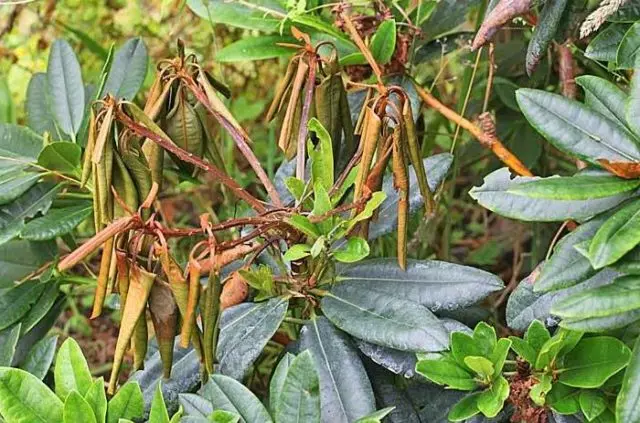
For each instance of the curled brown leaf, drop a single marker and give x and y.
(504, 11)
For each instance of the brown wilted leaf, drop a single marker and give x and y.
(626, 170)
(500, 15)
(234, 291)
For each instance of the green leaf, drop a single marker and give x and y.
(374, 202)
(376, 417)
(580, 187)
(297, 252)
(127, 403)
(356, 249)
(623, 295)
(71, 370)
(575, 129)
(563, 399)
(16, 302)
(499, 354)
(485, 337)
(19, 148)
(523, 349)
(296, 187)
(446, 372)
(592, 403)
(383, 42)
(345, 390)
(158, 413)
(299, 398)
(97, 400)
(491, 401)
(304, 225)
(77, 410)
(462, 345)
(277, 381)
(39, 359)
(483, 367)
(549, 21)
(385, 320)
(245, 329)
(628, 402)
(56, 222)
(604, 97)
(265, 15)
(128, 70)
(230, 395)
(496, 194)
(66, 88)
(540, 390)
(7, 108)
(222, 416)
(256, 48)
(46, 302)
(604, 46)
(464, 409)
(321, 203)
(38, 107)
(436, 285)
(352, 59)
(566, 266)
(537, 335)
(63, 157)
(628, 48)
(321, 156)
(593, 361)
(549, 351)
(37, 199)
(24, 398)
(8, 341)
(616, 237)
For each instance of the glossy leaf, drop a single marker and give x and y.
(8, 341)
(299, 398)
(563, 399)
(628, 402)
(378, 317)
(604, 46)
(46, 301)
(66, 88)
(592, 404)
(593, 361)
(40, 357)
(628, 48)
(77, 409)
(604, 97)
(127, 403)
(230, 395)
(383, 42)
(435, 284)
(578, 187)
(447, 372)
(356, 249)
(128, 70)
(16, 302)
(575, 129)
(24, 398)
(71, 370)
(56, 222)
(244, 331)
(345, 390)
(496, 194)
(255, 48)
(616, 237)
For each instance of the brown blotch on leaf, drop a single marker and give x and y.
(626, 170)
(500, 15)
(234, 291)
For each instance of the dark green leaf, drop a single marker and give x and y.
(548, 23)
(628, 48)
(66, 88)
(277, 381)
(592, 403)
(593, 361)
(71, 370)
(16, 302)
(63, 157)
(256, 48)
(38, 107)
(24, 398)
(464, 409)
(299, 398)
(383, 42)
(8, 341)
(563, 399)
(128, 70)
(575, 129)
(578, 187)
(20, 258)
(45, 303)
(604, 97)
(265, 15)
(230, 395)
(628, 403)
(40, 357)
(345, 389)
(604, 46)
(77, 409)
(435, 284)
(497, 194)
(616, 237)
(244, 331)
(56, 223)
(127, 403)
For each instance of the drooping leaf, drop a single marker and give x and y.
(345, 390)
(66, 88)
(434, 284)
(575, 129)
(56, 222)
(593, 361)
(24, 398)
(244, 331)
(378, 317)
(19, 148)
(496, 195)
(46, 301)
(71, 370)
(299, 398)
(40, 357)
(128, 70)
(255, 48)
(230, 395)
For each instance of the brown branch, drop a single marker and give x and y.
(491, 142)
(190, 158)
